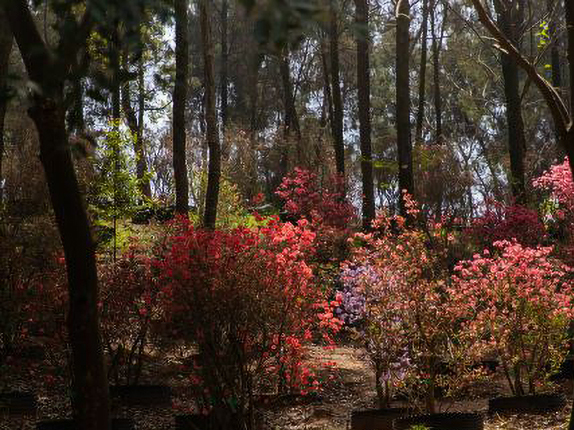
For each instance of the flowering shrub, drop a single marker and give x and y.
(516, 304)
(558, 182)
(407, 321)
(329, 214)
(502, 222)
(128, 305)
(245, 298)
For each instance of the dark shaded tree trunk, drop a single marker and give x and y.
(76, 121)
(179, 101)
(224, 65)
(90, 400)
(214, 167)
(510, 21)
(135, 123)
(364, 99)
(291, 120)
(337, 118)
(5, 49)
(403, 102)
(422, 75)
(436, 49)
(554, 49)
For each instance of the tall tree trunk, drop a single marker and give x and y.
(114, 54)
(436, 48)
(422, 75)
(136, 121)
(5, 49)
(214, 167)
(291, 120)
(555, 48)
(76, 121)
(403, 101)
(90, 398)
(224, 65)
(337, 119)
(510, 21)
(364, 98)
(179, 100)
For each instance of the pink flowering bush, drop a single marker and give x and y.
(557, 181)
(516, 304)
(246, 300)
(408, 323)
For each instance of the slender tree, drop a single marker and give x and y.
(214, 167)
(403, 101)
(49, 68)
(136, 120)
(290, 119)
(422, 74)
(179, 100)
(5, 49)
(436, 50)
(510, 19)
(224, 65)
(337, 118)
(364, 99)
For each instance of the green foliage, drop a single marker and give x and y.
(114, 192)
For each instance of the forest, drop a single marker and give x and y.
(286, 214)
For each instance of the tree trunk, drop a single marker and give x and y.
(5, 49)
(224, 65)
(291, 120)
(337, 119)
(179, 100)
(90, 400)
(364, 99)
(403, 101)
(436, 48)
(90, 387)
(135, 123)
(422, 75)
(214, 168)
(510, 21)
(555, 49)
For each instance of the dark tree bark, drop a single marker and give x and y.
(214, 167)
(554, 49)
(136, 125)
(224, 65)
(179, 100)
(403, 102)
(337, 118)
(422, 75)
(291, 120)
(436, 49)
(510, 22)
(49, 69)
(5, 49)
(364, 99)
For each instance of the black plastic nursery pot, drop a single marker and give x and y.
(534, 404)
(442, 421)
(141, 395)
(117, 424)
(17, 403)
(199, 422)
(377, 419)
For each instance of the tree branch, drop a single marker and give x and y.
(555, 103)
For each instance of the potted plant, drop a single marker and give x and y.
(517, 304)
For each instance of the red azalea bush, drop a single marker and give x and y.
(128, 307)
(329, 213)
(515, 304)
(245, 298)
(507, 222)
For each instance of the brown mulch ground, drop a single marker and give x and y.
(351, 390)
